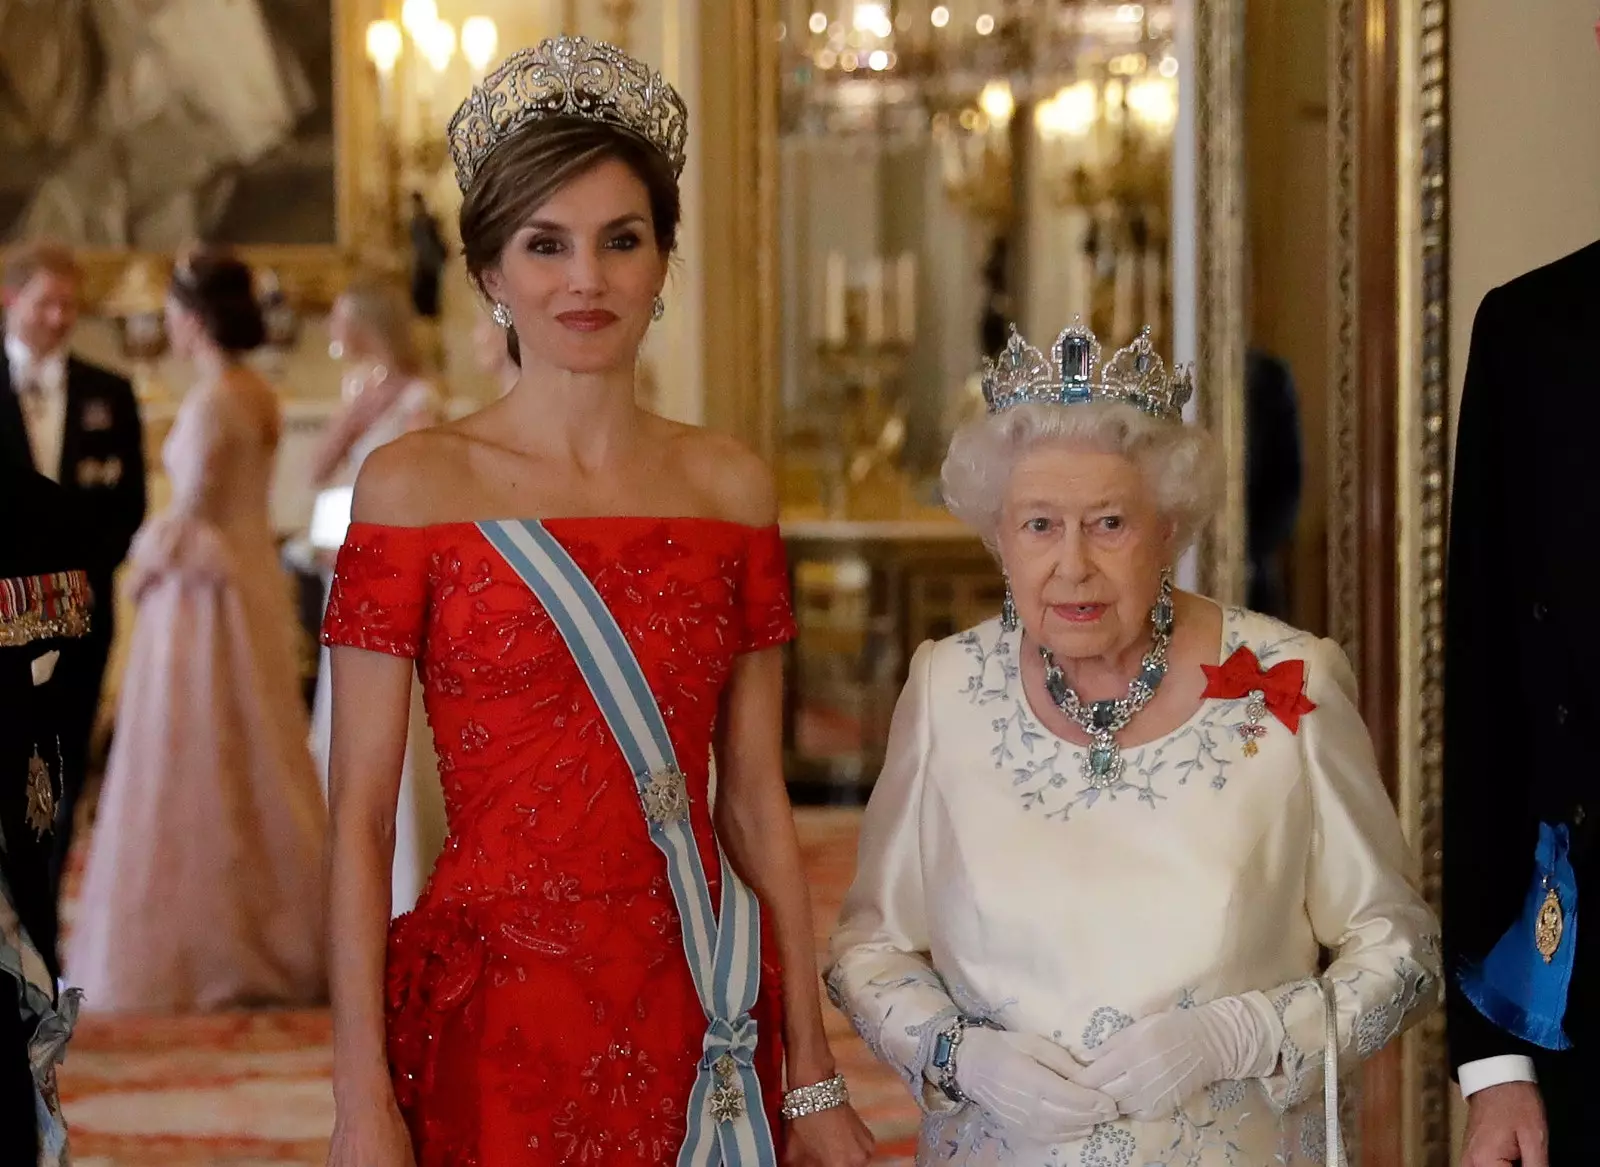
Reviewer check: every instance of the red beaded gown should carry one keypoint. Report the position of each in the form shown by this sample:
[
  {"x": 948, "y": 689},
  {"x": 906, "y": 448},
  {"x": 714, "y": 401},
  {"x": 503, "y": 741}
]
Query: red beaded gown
[{"x": 540, "y": 1007}]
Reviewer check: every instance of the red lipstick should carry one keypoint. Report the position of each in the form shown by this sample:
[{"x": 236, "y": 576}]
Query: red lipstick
[{"x": 589, "y": 320}]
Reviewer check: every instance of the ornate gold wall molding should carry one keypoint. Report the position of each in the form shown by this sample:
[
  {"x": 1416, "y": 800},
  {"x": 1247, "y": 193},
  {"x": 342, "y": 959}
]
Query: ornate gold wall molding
[
  {"x": 1424, "y": 391},
  {"x": 1388, "y": 450},
  {"x": 1219, "y": 271},
  {"x": 737, "y": 127},
  {"x": 1344, "y": 333}
]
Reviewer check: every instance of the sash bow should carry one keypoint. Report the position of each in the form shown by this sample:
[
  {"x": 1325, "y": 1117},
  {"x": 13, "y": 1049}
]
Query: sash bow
[
  {"x": 1282, "y": 686},
  {"x": 735, "y": 1039}
]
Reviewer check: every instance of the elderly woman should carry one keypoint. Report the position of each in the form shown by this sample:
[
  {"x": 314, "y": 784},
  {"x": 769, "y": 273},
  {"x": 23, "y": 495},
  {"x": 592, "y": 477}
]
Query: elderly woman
[{"x": 1117, "y": 825}]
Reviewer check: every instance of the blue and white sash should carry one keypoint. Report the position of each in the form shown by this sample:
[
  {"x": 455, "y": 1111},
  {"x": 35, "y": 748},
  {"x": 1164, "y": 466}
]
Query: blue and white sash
[{"x": 727, "y": 1123}]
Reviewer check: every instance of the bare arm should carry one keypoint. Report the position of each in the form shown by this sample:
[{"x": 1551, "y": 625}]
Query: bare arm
[
  {"x": 755, "y": 823},
  {"x": 371, "y": 708},
  {"x": 336, "y": 441},
  {"x": 371, "y": 715}
]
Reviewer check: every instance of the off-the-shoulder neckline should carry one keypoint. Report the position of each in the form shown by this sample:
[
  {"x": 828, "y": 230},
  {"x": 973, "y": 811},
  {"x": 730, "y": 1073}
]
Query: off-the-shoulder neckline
[{"x": 711, "y": 520}]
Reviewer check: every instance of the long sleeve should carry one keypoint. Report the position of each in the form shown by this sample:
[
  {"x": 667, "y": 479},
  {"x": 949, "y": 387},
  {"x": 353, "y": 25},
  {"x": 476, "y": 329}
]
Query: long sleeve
[
  {"x": 1488, "y": 852},
  {"x": 1360, "y": 898},
  {"x": 882, "y": 974}
]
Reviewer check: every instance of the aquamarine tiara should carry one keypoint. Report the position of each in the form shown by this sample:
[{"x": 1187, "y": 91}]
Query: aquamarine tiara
[
  {"x": 567, "y": 76},
  {"x": 1073, "y": 375}
]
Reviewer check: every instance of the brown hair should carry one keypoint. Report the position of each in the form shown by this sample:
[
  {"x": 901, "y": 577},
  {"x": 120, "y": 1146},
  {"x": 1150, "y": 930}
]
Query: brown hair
[
  {"x": 524, "y": 172},
  {"x": 29, "y": 259},
  {"x": 220, "y": 291}
]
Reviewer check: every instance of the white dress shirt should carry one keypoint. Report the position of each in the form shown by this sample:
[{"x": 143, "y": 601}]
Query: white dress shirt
[
  {"x": 1487, "y": 1072},
  {"x": 40, "y": 384}
]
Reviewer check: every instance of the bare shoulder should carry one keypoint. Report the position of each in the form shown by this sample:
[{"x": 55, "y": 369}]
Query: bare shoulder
[
  {"x": 406, "y": 482},
  {"x": 733, "y": 478}
]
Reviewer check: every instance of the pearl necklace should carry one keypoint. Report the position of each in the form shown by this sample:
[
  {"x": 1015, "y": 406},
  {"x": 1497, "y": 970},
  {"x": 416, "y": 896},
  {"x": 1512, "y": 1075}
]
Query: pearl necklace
[{"x": 1103, "y": 764}]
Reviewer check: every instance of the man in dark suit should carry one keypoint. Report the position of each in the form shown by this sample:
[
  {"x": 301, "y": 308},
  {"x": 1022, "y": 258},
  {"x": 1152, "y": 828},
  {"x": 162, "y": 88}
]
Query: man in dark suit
[
  {"x": 78, "y": 424},
  {"x": 1273, "y": 467},
  {"x": 1521, "y": 706},
  {"x": 46, "y": 610}
]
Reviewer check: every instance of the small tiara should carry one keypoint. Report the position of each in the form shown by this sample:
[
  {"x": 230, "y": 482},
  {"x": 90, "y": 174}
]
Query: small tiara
[
  {"x": 1073, "y": 375},
  {"x": 567, "y": 76}
]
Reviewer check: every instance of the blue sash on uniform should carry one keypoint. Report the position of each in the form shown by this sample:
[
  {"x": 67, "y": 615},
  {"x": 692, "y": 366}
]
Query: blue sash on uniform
[
  {"x": 727, "y": 1123},
  {"x": 1516, "y": 987}
]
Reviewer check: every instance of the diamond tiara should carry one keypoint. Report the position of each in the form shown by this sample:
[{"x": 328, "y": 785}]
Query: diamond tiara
[
  {"x": 567, "y": 76},
  {"x": 1074, "y": 375}
]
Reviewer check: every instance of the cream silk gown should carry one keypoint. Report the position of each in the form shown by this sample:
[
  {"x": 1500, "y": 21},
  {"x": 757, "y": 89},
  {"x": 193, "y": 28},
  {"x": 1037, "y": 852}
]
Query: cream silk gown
[{"x": 994, "y": 881}]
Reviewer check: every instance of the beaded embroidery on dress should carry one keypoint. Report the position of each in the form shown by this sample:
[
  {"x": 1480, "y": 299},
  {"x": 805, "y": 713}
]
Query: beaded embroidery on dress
[{"x": 540, "y": 1008}]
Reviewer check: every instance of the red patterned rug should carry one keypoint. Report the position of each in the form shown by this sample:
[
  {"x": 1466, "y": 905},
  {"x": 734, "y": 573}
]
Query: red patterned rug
[{"x": 252, "y": 1089}]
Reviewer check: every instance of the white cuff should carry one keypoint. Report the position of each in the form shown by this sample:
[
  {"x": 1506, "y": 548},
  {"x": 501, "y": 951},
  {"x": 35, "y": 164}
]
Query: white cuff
[{"x": 1487, "y": 1072}]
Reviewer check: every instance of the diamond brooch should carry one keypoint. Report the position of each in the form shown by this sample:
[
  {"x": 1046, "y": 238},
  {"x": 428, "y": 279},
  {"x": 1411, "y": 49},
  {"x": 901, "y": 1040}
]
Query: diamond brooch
[
  {"x": 665, "y": 796},
  {"x": 1255, "y": 711},
  {"x": 727, "y": 1097}
]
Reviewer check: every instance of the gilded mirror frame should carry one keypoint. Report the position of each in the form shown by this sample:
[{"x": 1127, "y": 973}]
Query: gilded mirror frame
[
  {"x": 738, "y": 130},
  {"x": 1389, "y": 469}
]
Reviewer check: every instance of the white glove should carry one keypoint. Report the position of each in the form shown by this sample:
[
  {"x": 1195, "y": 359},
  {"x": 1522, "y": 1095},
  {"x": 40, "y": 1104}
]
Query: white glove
[
  {"x": 1027, "y": 1085},
  {"x": 1156, "y": 1065}
]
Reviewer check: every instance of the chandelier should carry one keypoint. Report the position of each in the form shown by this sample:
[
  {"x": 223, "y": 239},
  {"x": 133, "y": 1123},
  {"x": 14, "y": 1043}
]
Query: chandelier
[{"x": 890, "y": 68}]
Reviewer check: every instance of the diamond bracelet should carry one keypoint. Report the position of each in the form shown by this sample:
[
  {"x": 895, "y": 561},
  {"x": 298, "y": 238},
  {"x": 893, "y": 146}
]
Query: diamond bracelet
[{"x": 807, "y": 1100}]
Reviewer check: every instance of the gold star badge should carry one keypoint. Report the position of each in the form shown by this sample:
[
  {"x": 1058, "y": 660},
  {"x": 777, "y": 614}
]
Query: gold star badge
[{"x": 41, "y": 796}]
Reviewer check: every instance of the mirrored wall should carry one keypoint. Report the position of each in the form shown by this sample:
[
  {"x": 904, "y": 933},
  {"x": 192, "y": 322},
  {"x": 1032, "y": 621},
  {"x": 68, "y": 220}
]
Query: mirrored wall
[{"x": 946, "y": 170}]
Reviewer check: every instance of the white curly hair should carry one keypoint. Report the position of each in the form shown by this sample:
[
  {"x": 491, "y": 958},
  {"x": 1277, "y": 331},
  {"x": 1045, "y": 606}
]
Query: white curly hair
[{"x": 1179, "y": 462}]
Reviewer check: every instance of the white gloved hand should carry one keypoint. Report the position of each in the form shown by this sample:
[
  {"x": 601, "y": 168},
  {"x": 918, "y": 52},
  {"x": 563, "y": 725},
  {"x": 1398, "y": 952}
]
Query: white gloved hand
[
  {"x": 1027, "y": 1085},
  {"x": 1156, "y": 1065}
]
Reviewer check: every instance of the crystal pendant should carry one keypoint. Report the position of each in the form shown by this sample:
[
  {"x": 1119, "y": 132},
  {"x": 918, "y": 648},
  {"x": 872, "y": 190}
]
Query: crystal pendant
[{"x": 1102, "y": 764}]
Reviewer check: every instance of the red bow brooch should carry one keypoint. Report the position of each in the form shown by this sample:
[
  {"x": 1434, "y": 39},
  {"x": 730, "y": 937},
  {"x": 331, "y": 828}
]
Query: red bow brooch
[{"x": 1278, "y": 690}]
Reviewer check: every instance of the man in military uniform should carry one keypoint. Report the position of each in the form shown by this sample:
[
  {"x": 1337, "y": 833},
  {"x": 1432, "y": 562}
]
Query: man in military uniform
[
  {"x": 45, "y": 614},
  {"x": 78, "y": 424}
]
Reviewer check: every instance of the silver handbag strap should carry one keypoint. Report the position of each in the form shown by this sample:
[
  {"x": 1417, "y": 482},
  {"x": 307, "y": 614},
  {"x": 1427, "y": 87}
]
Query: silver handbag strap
[{"x": 1330, "y": 1073}]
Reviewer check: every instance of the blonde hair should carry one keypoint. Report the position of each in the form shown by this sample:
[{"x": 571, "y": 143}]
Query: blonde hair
[
  {"x": 380, "y": 307},
  {"x": 1178, "y": 461}
]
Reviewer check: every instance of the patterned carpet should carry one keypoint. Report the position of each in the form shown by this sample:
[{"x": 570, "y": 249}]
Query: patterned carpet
[{"x": 252, "y": 1089}]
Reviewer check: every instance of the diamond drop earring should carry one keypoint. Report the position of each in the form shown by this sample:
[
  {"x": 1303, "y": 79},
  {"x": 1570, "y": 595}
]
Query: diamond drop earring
[
  {"x": 502, "y": 315},
  {"x": 1008, "y": 610},
  {"x": 658, "y": 309}
]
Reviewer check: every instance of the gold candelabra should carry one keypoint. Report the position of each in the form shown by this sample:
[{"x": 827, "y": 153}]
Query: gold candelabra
[
  {"x": 864, "y": 336},
  {"x": 412, "y": 58}
]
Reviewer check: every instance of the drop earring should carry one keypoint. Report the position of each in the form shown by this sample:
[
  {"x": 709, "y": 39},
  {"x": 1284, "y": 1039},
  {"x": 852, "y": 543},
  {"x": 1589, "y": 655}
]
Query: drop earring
[
  {"x": 658, "y": 309},
  {"x": 1008, "y": 610},
  {"x": 502, "y": 316}
]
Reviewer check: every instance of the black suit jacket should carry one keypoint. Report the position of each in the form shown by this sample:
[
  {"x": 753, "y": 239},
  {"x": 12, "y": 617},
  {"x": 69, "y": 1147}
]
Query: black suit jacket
[
  {"x": 39, "y": 533},
  {"x": 102, "y": 462},
  {"x": 1522, "y": 642}
]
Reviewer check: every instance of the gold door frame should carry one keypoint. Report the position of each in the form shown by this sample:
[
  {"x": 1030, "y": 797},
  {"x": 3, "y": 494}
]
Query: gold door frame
[{"x": 738, "y": 133}]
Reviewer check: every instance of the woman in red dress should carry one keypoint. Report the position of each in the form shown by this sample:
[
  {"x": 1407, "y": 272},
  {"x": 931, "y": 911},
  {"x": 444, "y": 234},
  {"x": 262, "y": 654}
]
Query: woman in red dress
[{"x": 544, "y": 1002}]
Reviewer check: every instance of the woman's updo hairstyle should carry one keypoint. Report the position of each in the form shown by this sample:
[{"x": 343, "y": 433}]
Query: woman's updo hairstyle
[
  {"x": 524, "y": 172},
  {"x": 220, "y": 291}
]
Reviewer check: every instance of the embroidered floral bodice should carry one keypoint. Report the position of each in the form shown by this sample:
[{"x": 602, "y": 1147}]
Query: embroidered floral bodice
[
  {"x": 995, "y": 881},
  {"x": 540, "y": 1008}
]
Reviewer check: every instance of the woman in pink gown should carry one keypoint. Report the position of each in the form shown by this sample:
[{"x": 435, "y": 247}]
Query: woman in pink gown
[{"x": 204, "y": 882}]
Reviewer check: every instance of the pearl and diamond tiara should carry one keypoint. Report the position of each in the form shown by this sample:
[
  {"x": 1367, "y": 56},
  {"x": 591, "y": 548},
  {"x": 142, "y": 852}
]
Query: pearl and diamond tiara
[
  {"x": 567, "y": 76},
  {"x": 1073, "y": 375}
]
